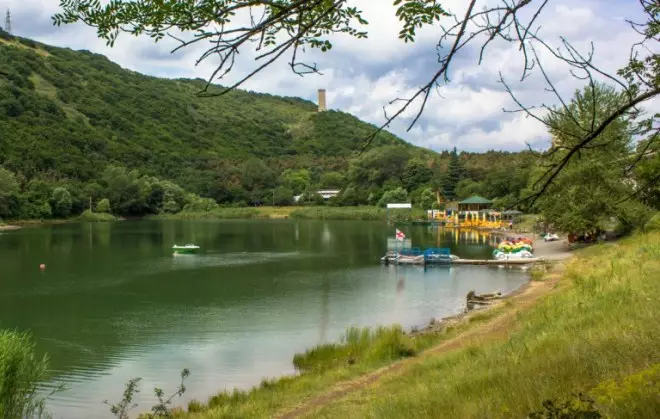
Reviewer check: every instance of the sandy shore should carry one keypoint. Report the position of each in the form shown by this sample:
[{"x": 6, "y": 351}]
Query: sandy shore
[
  {"x": 8, "y": 227},
  {"x": 556, "y": 250}
]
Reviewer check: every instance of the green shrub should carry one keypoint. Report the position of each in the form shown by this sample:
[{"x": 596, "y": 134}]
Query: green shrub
[
  {"x": 195, "y": 407},
  {"x": 20, "y": 372},
  {"x": 201, "y": 205},
  {"x": 398, "y": 195},
  {"x": 634, "y": 396},
  {"x": 95, "y": 217},
  {"x": 103, "y": 205},
  {"x": 577, "y": 407}
]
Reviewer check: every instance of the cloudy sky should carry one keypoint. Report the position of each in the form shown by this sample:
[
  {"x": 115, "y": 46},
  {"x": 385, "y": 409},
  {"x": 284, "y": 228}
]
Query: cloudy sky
[{"x": 362, "y": 76}]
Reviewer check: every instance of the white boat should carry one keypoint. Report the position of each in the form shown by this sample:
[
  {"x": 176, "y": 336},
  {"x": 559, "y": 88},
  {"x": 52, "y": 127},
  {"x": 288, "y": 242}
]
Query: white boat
[
  {"x": 189, "y": 248},
  {"x": 551, "y": 237}
]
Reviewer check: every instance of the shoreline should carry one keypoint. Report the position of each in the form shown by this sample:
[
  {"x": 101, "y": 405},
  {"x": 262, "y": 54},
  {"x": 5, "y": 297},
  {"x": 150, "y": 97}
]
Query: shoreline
[
  {"x": 447, "y": 334},
  {"x": 444, "y": 332},
  {"x": 435, "y": 326},
  {"x": 9, "y": 227}
]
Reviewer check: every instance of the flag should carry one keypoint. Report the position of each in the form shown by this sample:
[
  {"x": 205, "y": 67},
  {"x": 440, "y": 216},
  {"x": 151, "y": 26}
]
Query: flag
[{"x": 399, "y": 235}]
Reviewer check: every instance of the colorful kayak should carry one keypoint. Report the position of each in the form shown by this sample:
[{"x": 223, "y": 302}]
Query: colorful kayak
[{"x": 189, "y": 248}]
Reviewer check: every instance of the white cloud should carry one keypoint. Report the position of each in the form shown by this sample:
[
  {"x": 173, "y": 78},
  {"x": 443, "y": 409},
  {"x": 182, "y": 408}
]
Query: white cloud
[{"x": 362, "y": 76}]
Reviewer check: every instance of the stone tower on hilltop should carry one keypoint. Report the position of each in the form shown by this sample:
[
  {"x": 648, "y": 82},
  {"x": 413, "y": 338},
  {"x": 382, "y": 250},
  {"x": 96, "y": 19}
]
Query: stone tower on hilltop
[
  {"x": 7, "y": 27},
  {"x": 322, "y": 104}
]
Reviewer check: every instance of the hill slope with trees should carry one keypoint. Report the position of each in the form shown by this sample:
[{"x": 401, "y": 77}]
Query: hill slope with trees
[{"x": 75, "y": 126}]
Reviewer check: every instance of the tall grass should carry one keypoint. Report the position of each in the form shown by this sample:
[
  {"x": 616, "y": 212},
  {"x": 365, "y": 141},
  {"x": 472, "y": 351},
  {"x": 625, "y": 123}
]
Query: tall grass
[
  {"x": 598, "y": 330},
  {"x": 20, "y": 372},
  {"x": 339, "y": 213},
  {"x": 360, "y": 350},
  {"x": 298, "y": 213},
  {"x": 217, "y": 214},
  {"x": 356, "y": 213},
  {"x": 364, "y": 345}
]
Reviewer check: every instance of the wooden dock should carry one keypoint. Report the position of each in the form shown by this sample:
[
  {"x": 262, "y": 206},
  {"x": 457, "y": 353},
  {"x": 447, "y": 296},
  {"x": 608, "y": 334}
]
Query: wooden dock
[
  {"x": 496, "y": 261},
  {"x": 419, "y": 260}
]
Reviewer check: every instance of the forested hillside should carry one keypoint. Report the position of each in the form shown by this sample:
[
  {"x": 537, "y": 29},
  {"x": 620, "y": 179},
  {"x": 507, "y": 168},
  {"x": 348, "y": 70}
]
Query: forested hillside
[{"x": 74, "y": 125}]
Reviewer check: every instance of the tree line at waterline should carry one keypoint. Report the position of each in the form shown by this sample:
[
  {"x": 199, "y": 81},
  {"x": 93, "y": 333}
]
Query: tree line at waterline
[{"x": 384, "y": 174}]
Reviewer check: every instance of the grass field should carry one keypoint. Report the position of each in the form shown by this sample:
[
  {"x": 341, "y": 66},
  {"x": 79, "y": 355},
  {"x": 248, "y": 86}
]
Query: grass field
[{"x": 594, "y": 332}]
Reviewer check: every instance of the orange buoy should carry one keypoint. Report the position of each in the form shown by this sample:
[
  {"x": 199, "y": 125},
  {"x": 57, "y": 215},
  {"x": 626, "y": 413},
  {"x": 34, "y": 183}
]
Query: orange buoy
[{"x": 42, "y": 266}]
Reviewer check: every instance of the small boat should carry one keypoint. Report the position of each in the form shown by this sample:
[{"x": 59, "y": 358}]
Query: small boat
[
  {"x": 189, "y": 248},
  {"x": 551, "y": 237}
]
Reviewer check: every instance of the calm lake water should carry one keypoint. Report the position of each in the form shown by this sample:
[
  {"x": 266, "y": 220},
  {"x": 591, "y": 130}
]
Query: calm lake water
[{"x": 114, "y": 303}]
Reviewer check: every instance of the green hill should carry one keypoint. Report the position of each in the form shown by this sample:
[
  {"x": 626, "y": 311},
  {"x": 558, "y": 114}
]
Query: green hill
[
  {"x": 76, "y": 120},
  {"x": 91, "y": 111}
]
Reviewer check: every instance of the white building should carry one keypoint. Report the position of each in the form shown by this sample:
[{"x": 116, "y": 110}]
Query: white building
[{"x": 326, "y": 194}]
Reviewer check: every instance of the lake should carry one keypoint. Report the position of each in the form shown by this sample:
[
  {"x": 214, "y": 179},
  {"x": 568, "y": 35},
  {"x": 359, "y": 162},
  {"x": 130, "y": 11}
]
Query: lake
[{"x": 113, "y": 302}]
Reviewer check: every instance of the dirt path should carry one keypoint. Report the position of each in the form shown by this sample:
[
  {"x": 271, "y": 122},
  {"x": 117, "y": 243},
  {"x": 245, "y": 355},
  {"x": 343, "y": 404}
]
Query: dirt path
[{"x": 492, "y": 329}]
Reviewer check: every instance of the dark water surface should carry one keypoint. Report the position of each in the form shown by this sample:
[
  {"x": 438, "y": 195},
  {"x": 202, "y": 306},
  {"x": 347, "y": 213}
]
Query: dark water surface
[{"x": 114, "y": 303}]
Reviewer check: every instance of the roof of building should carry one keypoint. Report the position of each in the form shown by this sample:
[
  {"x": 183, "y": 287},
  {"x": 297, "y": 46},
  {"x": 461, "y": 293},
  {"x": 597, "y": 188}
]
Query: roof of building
[
  {"x": 512, "y": 212},
  {"x": 476, "y": 199}
]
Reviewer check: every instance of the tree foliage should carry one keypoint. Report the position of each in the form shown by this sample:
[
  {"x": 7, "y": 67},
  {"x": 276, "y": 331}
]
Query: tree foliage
[
  {"x": 274, "y": 29},
  {"x": 594, "y": 189},
  {"x": 453, "y": 176},
  {"x": 103, "y": 206},
  {"x": 398, "y": 195},
  {"x": 61, "y": 202}
]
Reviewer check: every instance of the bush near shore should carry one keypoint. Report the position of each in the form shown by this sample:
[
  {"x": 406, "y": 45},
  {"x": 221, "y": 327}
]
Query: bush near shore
[{"x": 96, "y": 217}]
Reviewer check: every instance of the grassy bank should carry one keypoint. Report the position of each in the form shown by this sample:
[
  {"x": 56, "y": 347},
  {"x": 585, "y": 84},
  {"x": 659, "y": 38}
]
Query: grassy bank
[
  {"x": 359, "y": 352},
  {"x": 595, "y": 333},
  {"x": 86, "y": 216},
  {"x": 218, "y": 214},
  {"x": 355, "y": 213},
  {"x": 339, "y": 213},
  {"x": 298, "y": 213}
]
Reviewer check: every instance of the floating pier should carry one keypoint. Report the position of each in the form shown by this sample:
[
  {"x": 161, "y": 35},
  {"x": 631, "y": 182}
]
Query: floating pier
[
  {"x": 416, "y": 256},
  {"x": 442, "y": 257},
  {"x": 523, "y": 261}
]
